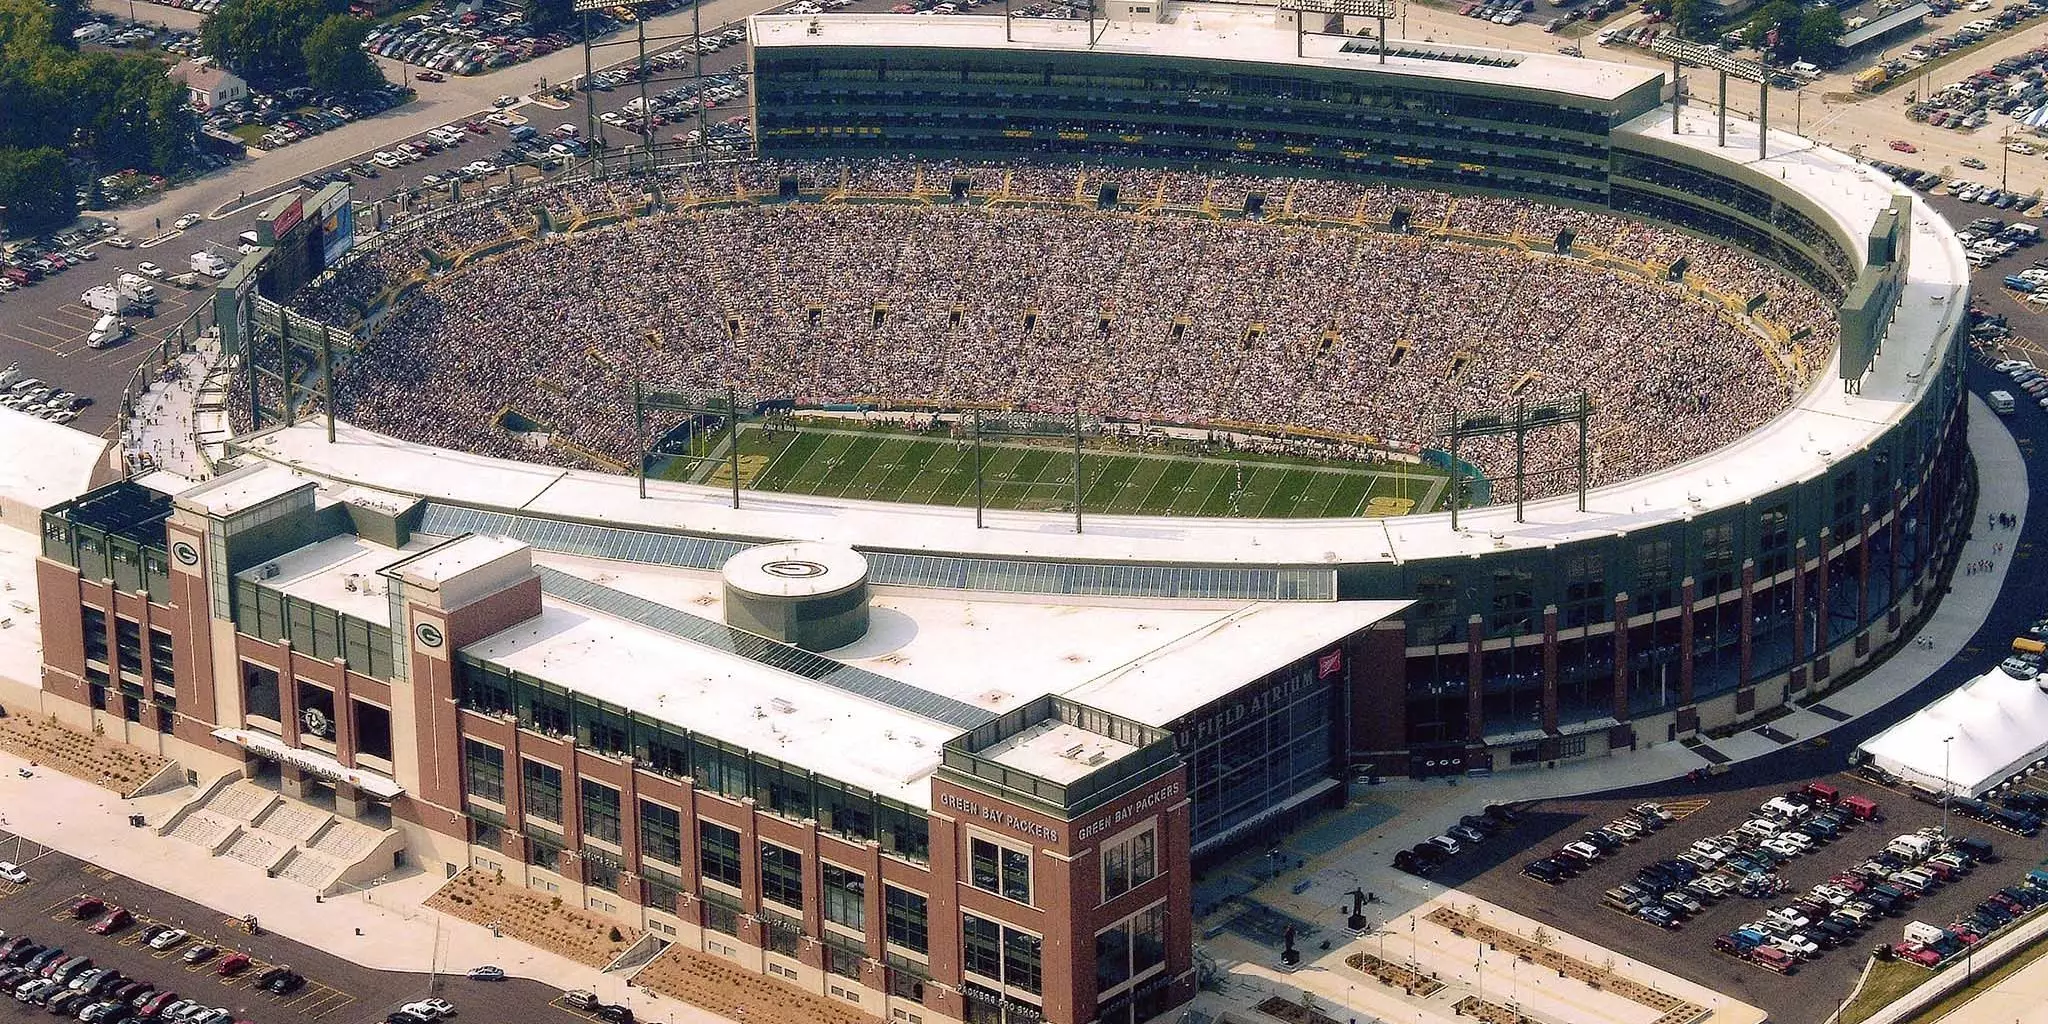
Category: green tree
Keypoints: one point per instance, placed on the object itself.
(264, 40)
(65, 16)
(1815, 38)
(335, 61)
(548, 15)
(1777, 14)
(35, 186)
(1691, 17)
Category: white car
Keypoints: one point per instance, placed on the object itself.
(188, 220)
(13, 872)
(120, 242)
(166, 940)
(385, 160)
(502, 120)
(431, 1009)
(1782, 847)
(149, 269)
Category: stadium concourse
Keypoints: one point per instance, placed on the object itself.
(1021, 295)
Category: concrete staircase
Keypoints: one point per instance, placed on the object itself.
(238, 819)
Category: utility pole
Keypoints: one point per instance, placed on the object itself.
(980, 500)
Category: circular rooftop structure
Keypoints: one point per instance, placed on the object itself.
(809, 594)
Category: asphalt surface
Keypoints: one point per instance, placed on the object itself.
(1819, 985)
(336, 991)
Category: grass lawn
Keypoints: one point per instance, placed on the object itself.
(1888, 981)
(249, 133)
(1038, 474)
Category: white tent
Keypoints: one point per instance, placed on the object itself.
(1998, 725)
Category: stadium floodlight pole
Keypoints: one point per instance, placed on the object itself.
(1677, 90)
(1077, 462)
(732, 415)
(646, 111)
(1763, 118)
(1584, 412)
(980, 500)
(1456, 419)
(640, 430)
(327, 378)
(1721, 108)
(1521, 447)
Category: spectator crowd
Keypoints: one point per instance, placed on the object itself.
(1028, 295)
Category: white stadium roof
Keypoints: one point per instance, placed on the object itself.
(1971, 740)
(1222, 31)
(47, 464)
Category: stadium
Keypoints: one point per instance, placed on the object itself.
(1067, 451)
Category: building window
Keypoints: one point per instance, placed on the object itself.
(999, 869)
(846, 901)
(661, 833)
(983, 942)
(601, 872)
(484, 770)
(908, 925)
(543, 853)
(373, 731)
(782, 875)
(259, 691)
(316, 711)
(1129, 863)
(128, 644)
(719, 848)
(721, 913)
(95, 624)
(541, 787)
(600, 812)
(161, 669)
(843, 955)
(166, 713)
(662, 893)
(907, 979)
(1000, 953)
(1131, 948)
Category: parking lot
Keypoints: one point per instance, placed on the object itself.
(1494, 873)
(334, 990)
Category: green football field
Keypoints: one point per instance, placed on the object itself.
(1037, 474)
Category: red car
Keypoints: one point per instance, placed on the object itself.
(1904, 147)
(87, 906)
(116, 919)
(156, 1004)
(233, 963)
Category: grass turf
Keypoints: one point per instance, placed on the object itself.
(1037, 474)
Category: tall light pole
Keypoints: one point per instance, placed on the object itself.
(2004, 154)
(1947, 787)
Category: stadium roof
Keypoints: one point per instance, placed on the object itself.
(1238, 32)
(47, 463)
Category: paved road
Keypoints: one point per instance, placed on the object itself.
(337, 991)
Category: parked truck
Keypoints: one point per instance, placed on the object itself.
(1871, 79)
(209, 264)
(135, 287)
(106, 298)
